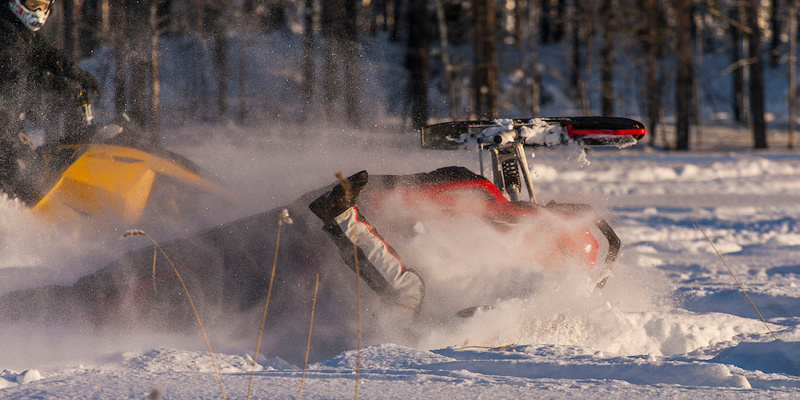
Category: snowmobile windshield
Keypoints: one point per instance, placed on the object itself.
(37, 5)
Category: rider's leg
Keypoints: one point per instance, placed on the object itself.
(379, 265)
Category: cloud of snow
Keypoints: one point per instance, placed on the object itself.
(266, 168)
(465, 262)
(523, 287)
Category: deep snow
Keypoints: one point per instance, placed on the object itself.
(671, 321)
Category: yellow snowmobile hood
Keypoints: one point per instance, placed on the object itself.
(118, 181)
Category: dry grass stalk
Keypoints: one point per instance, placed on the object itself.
(188, 297)
(284, 218)
(698, 227)
(155, 256)
(308, 345)
(346, 185)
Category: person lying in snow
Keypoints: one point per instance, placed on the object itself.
(378, 264)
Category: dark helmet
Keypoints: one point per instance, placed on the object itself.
(32, 13)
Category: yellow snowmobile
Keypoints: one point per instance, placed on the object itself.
(112, 173)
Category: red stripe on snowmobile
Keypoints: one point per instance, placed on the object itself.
(572, 131)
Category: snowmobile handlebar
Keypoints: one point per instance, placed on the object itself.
(500, 139)
(87, 113)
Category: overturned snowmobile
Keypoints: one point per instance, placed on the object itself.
(591, 240)
(227, 268)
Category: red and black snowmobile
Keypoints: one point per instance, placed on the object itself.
(227, 268)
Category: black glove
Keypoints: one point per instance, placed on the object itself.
(88, 82)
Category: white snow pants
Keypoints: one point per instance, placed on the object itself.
(379, 265)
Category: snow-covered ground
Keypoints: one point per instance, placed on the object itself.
(670, 323)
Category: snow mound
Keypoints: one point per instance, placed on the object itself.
(772, 357)
(383, 357)
(173, 360)
(560, 362)
(10, 378)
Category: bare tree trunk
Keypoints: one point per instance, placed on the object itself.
(241, 83)
(586, 29)
(486, 84)
(555, 20)
(736, 75)
(351, 67)
(586, 15)
(221, 62)
(93, 30)
(652, 82)
(119, 27)
(741, 99)
(695, 116)
(72, 22)
(105, 17)
(138, 104)
(71, 114)
(382, 14)
(308, 58)
(756, 79)
(452, 100)
(376, 18)
(155, 75)
(792, 70)
(685, 73)
(532, 39)
(579, 28)
(251, 12)
(220, 34)
(574, 49)
(332, 15)
(264, 15)
(139, 39)
(775, 26)
(492, 61)
(417, 62)
(398, 31)
(607, 58)
(243, 26)
(519, 16)
(389, 14)
(544, 22)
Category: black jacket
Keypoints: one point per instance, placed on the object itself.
(28, 65)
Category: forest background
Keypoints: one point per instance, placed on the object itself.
(453, 59)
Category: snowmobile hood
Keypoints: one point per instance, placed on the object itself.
(121, 182)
